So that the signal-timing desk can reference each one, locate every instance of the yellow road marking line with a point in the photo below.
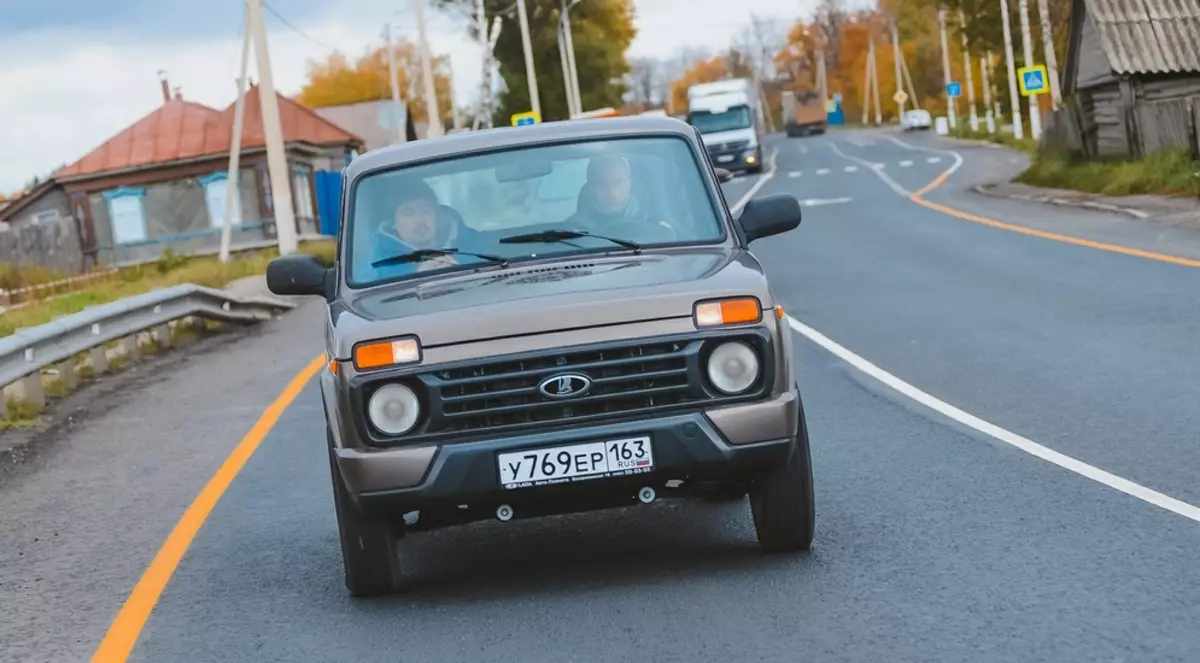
(125, 629)
(1068, 239)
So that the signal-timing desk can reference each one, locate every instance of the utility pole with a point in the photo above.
(277, 167)
(571, 54)
(875, 84)
(985, 64)
(962, 21)
(530, 73)
(821, 84)
(996, 88)
(1035, 115)
(394, 84)
(899, 58)
(950, 103)
(232, 196)
(433, 119)
(1051, 59)
(866, 95)
(1018, 130)
(566, 66)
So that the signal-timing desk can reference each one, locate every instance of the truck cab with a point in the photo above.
(729, 119)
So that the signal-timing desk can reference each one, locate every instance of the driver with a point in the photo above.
(607, 204)
(420, 222)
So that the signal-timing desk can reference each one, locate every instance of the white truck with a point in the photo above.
(730, 119)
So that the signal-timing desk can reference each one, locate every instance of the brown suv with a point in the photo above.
(551, 319)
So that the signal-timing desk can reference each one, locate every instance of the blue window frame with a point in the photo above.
(127, 214)
(215, 194)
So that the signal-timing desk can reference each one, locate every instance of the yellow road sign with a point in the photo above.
(900, 97)
(1033, 80)
(525, 119)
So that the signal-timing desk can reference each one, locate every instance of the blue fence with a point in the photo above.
(329, 197)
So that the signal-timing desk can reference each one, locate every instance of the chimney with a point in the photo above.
(166, 86)
(178, 93)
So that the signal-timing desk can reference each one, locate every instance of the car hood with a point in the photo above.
(581, 292)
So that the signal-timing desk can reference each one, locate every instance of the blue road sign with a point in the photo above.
(1033, 80)
(954, 89)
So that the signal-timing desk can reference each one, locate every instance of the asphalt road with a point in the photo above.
(934, 542)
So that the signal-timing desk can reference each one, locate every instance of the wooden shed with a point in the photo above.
(1133, 68)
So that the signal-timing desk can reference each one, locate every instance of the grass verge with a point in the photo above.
(1026, 145)
(1170, 172)
(171, 269)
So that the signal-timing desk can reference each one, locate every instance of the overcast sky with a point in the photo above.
(75, 72)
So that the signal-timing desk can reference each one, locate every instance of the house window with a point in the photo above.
(46, 216)
(304, 201)
(127, 214)
(215, 198)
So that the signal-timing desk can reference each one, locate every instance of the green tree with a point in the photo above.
(602, 31)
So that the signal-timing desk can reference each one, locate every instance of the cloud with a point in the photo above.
(79, 82)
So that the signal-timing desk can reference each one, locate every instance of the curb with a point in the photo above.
(1062, 202)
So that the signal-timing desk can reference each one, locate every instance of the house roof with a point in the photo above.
(181, 130)
(1148, 36)
(299, 124)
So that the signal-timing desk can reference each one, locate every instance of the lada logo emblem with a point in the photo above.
(565, 385)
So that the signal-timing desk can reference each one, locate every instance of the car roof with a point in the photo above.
(503, 137)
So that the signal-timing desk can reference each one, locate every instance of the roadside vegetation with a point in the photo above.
(170, 269)
(1026, 145)
(1170, 172)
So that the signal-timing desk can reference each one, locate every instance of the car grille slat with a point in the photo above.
(624, 379)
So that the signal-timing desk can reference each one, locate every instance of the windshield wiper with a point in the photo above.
(560, 234)
(422, 254)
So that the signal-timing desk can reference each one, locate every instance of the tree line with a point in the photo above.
(779, 52)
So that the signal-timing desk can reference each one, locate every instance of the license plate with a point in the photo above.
(576, 462)
(725, 158)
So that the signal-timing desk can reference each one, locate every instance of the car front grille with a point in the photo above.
(731, 146)
(624, 378)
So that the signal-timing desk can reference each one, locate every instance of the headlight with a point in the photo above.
(394, 409)
(733, 367)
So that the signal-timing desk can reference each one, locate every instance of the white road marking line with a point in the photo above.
(878, 166)
(851, 169)
(803, 149)
(886, 180)
(794, 173)
(958, 160)
(762, 179)
(933, 160)
(905, 164)
(823, 171)
(1030, 447)
(817, 202)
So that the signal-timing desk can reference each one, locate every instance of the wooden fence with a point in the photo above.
(1148, 127)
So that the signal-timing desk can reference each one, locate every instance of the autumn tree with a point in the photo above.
(601, 30)
(336, 81)
(700, 71)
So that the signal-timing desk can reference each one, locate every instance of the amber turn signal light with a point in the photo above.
(734, 311)
(378, 354)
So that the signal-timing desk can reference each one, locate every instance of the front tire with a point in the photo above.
(781, 501)
(369, 556)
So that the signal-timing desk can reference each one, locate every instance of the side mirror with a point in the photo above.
(770, 215)
(299, 275)
(723, 175)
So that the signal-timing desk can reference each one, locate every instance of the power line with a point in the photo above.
(298, 31)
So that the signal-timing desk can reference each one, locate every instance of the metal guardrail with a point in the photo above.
(25, 354)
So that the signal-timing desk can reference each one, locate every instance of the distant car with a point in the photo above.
(916, 119)
(551, 319)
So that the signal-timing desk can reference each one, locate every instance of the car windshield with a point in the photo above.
(737, 117)
(641, 192)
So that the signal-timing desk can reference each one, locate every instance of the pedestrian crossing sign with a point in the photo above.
(1033, 80)
(525, 119)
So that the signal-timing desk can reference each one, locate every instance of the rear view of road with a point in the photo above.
(935, 541)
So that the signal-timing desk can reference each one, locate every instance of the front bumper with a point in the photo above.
(746, 159)
(686, 446)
